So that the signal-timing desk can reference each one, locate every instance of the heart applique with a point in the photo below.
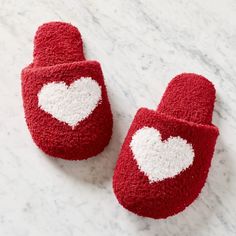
(70, 104)
(159, 159)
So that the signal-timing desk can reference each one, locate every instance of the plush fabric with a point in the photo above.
(59, 64)
(185, 113)
(160, 159)
(70, 104)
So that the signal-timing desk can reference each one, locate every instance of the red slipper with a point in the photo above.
(165, 158)
(65, 99)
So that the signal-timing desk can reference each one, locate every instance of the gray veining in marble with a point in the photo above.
(141, 46)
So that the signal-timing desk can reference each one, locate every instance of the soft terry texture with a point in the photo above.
(65, 99)
(166, 155)
(159, 159)
(70, 104)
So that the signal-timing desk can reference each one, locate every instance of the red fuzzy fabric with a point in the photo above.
(58, 57)
(186, 111)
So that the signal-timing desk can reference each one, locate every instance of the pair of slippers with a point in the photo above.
(166, 155)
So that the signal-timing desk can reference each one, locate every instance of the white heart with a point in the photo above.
(159, 159)
(70, 104)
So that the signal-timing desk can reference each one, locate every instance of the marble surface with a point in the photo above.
(141, 46)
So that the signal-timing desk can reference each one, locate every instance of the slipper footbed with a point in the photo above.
(189, 97)
(57, 43)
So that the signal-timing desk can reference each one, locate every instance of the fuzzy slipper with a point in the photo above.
(65, 99)
(165, 158)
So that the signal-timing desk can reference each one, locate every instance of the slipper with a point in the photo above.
(166, 155)
(64, 96)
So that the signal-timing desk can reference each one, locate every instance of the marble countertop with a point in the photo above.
(141, 45)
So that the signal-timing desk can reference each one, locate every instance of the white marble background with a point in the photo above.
(141, 45)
